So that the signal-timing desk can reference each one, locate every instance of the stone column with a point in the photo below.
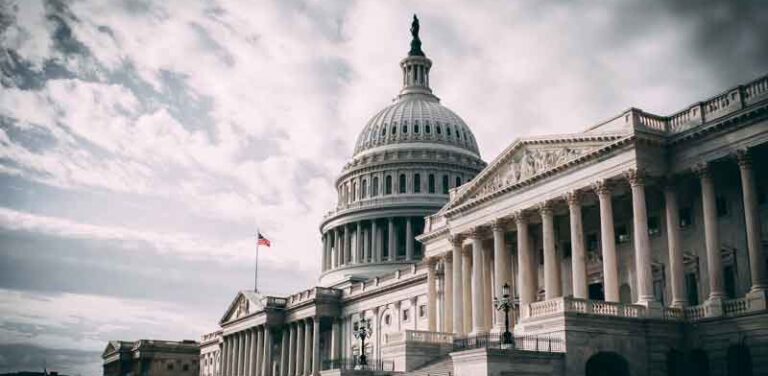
(284, 350)
(752, 223)
(267, 355)
(448, 293)
(676, 267)
(224, 364)
(431, 296)
(308, 346)
(608, 242)
(358, 244)
(336, 255)
(392, 246)
(466, 276)
(376, 333)
(642, 241)
(316, 346)
(526, 278)
(376, 256)
(458, 284)
(347, 244)
(487, 290)
(259, 350)
(299, 348)
(578, 248)
(323, 256)
(366, 245)
(478, 293)
(292, 351)
(408, 239)
(414, 312)
(711, 236)
(501, 267)
(336, 339)
(250, 359)
(239, 354)
(551, 265)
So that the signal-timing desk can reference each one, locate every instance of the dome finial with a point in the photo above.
(415, 41)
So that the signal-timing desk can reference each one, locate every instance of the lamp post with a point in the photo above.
(362, 330)
(504, 304)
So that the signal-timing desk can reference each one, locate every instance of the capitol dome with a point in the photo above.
(407, 159)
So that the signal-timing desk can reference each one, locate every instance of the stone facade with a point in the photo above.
(151, 357)
(636, 245)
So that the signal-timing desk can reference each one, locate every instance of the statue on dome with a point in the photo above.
(415, 42)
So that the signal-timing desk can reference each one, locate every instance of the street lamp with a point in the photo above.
(362, 330)
(504, 304)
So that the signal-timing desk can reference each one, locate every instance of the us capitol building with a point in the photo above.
(635, 247)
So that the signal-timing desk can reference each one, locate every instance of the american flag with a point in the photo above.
(264, 241)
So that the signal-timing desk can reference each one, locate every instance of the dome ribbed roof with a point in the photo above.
(416, 118)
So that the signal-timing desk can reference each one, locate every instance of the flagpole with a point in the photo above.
(256, 270)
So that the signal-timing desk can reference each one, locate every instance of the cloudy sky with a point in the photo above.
(142, 143)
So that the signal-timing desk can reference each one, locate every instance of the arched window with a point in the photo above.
(607, 363)
(416, 128)
(448, 131)
(388, 185)
(375, 187)
(401, 183)
(458, 135)
(431, 183)
(394, 129)
(383, 131)
(445, 184)
(427, 129)
(417, 183)
(405, 127)
(364, 189)
(458, 181)
(439, 129)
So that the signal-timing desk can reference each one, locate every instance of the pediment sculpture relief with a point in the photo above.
(242, 307)
(528, 163)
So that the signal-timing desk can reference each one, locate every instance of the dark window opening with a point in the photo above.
(383, 132)
(417, 183)
(431, 183)
(592, 242)
(427, 129)
(394, 129)
(401, 183)
(458, 181)
(622, 234)
(364, 192)
(654, 226)
(541, 256)
(439, 130)
(658, 290)
(686, 217)
(416, 128)
(375, 187)
(448, 131)
(388, 185)
(692, 287)
(722, 206)
(596, 291)
(566, 250)
(729, 279)
(405, 128)
(445, 184)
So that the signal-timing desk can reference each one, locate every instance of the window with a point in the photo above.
(185, 367)
(439, 130)
(431, 183)
(388, 185)
(654, 227)
(402, 183)
(354, 191)
(417, 183)
(541, 256)
(658, 290)
(445, 184)
(375, 188)
(383, 131)
(448, 131)
(592, 242)
(622, 234)
(566, 250)
(387, 319)
(458, 135)
(364, 191)
(729, 279)
(422, 310)
(427, 129)
(416, 127)
(692, 288)
(686, 217)
(722, 206)
(458, 181)
(405, 128)
(394, 129)
(406, 314)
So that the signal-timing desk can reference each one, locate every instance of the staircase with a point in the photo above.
(443, 366)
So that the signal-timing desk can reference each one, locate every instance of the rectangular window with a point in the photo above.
(566, 249)
(686, 217)
(658, 290)
(417, 183)
(692, 287)
(722, 206)
(729, 279)
(622, 234)
(654, 226)
(406, 315)
(431, 183)
(422, 310)
(592, 242)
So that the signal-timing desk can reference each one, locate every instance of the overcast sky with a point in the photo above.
(141, 143)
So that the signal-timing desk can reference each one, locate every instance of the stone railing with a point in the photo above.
(394, 198)
(310, 294)
(696, 114)
(672, 313)
(735, 307)
(422, 336)
(596, 307)
(695, 313)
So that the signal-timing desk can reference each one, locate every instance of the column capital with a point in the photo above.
(573, 197)
(448, 256)
(602, 187)
(520, 217)
(702, 170)
(635, 176)
(430, 261)
(545, 208)
(475, 233)
(499, 224)
(456, 239)
(743, 157)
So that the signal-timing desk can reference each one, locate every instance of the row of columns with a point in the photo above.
(247, 353)
(368, 245)
(300, 348)
(468, 309)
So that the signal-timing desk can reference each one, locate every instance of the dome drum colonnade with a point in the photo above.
(406, 160)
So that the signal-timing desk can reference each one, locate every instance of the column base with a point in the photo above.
(714, 306)
(758, 300)
(653, 308)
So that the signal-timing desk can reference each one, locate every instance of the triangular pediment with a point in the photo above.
(528, 159)
(245, 303)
